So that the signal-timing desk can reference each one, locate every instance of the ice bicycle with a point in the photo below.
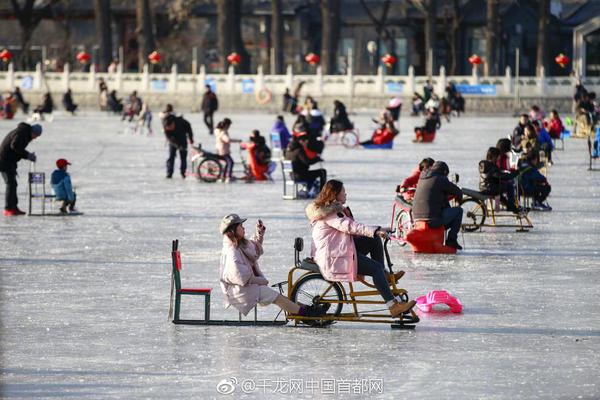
(308, 288)
(210, 167)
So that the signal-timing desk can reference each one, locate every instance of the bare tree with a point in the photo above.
(452, 25)
(29, 13)
(144, 31)
(381, 29)
(330, 20)
(491, 39)
(542, 50)
(229, 21)
(103, 32)
(277, 33)
(429, 10)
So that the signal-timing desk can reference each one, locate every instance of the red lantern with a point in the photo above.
(83, 57)
(5, 55)
(312, 58)
(562, 60)
(388, 60)
(234, 58)
(475, 59)
(154, 57)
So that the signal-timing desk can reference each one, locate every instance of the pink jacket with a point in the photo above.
(333, 247)
(238, 266)
(223, 142)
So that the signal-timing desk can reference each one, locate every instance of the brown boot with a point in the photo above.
(400, 308)
(397, 276)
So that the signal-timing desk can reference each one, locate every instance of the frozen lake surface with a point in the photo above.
(85, 299)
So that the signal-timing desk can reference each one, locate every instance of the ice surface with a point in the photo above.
(85, 299)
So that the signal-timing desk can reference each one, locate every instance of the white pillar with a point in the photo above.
(231, 79)
(92, 77)
(120, 75)
(507, 81)
(289, 77)
(145, 78)
(475, 75)
(201, 78)
(260, 79)
(379, 80)
(10, 77)
(319, 81)
(350, 75)
(37, 78)
(441, 83)
(65, 76)
(173, 79)
(541, 82)
(410, 81)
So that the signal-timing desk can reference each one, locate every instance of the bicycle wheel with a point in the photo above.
(209, 170)
(349, 139)
(403, 224)
(312, 288)
(474, 213)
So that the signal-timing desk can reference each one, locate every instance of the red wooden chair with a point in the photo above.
(424, 239)
(179, 291)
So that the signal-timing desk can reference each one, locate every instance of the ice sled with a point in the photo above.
(425, 239)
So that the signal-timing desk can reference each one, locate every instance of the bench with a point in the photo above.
(291, 187)
(37, 191)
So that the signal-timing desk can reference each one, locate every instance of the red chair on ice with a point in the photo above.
(424, 239)
(179, 291)
(422, 136)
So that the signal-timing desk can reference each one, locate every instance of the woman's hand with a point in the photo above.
(260, 227)
(383, 233)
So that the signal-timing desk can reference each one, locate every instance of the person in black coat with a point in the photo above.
(340, 121)
(114, 103)
(68, 103)
(431, 201)
(210, 104)
(301, 164)
(12, 150)
(178, 132)
(46, 107)
(19, 96)
(496, 182)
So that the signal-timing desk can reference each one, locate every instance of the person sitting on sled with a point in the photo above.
(259, 157)
(242, 282)
(409, 185)
(496, 182)
(384, 134)
(340, 121)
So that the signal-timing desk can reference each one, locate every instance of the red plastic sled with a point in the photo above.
(424, 136)
(424, 239)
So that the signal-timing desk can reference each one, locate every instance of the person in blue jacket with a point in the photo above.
(284, 134)
(61, 184)
(544, 140)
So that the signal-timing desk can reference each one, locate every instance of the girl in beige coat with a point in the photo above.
(242, 281)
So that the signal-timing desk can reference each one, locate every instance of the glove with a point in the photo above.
(32, 157)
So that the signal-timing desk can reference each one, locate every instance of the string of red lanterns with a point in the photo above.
(234, 59)
(83, 57)
(312, 58)
(154, 57)
(389, 60)
(5, 55)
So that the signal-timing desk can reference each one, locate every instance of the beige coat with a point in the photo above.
(238, 266)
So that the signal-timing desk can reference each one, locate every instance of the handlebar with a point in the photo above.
(387, 254)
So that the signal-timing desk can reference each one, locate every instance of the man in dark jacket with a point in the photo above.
(178, 132)
(519, 132)
(301, 164)
(12, 150)
(210, 104)
(431, 201)
(496, 182)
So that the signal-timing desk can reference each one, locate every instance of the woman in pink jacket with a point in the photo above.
(334, 248)
(242, 281)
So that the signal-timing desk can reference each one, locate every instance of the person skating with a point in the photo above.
(431, 202)
(210, 104)
(178, 132)
(12, 150)
(62, 186)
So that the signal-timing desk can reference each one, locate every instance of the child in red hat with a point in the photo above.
(63, 189)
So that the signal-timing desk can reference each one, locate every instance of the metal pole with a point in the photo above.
(517, 94)
(272, 61)
(121, 57)
(194, 60)
(430, 63)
